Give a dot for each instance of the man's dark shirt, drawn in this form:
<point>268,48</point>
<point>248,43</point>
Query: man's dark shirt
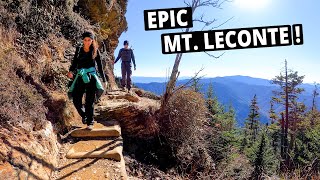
<point>126,55</point>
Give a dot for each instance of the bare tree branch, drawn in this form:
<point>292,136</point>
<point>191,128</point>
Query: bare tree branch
<point>224,2</point>
<point>213,56</point>
<point>222,23</point>
<point>213,3</point>
<point>207,3</point>
<point>186,3</point>
<point>205,22</point>
<point>190,80</point>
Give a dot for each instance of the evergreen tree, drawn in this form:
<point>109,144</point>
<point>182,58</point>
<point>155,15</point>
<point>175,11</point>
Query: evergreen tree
<point>272,114</point>
<point>262,157</point>
<point>306,153</point>
<point>230,118</point>
<point>297,117</point>
<point>212,102</point>
<point>314,113</point>
<point>274,128</point>
<point>196,85</point>
<point>315,94</point>
<point>252,122</point>
<point>223,135</point>
<point>287,96</point>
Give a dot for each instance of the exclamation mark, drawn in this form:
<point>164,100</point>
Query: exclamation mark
<point>297,34</point>
<point>297,30</point>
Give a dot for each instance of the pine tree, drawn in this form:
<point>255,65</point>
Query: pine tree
<point>274,128</point>
<point>306,153</point>
<point>312,117</point>
<point>258,162</point>
<point>252,122</point>
<point>315,94</point>
<point>223,121</point>
<point>196,85</point>
<point>287,96</point>
<point>314,110</point>
<point>230,118</point>
<point>262,157</point>
<point>212,102</point>
<point>272,114</point>
<point>297,116</point>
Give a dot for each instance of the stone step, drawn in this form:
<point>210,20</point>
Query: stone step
<point>99,130</point>
<point>111,149</point>
<point>129,97</point>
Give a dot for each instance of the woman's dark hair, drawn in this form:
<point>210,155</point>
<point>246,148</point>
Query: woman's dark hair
<point>88,34</point>
<point>94,44</point>
<point>126,42</point>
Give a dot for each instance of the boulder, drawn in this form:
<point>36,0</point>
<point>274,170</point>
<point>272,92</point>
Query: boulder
<point>136,119</point>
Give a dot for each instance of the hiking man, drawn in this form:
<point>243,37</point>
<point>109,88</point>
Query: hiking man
<point>126,55</point>
<point>86,80</point>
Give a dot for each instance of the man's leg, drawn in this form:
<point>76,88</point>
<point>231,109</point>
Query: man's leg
<point>90,96</point>
<point>77,95</point>
<point>123,73</point>
<point>129,72</point>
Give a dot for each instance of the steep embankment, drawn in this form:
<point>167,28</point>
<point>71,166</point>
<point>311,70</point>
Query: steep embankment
<point>36,47</point>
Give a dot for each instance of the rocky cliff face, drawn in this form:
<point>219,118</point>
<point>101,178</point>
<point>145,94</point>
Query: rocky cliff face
<point>38,39</point>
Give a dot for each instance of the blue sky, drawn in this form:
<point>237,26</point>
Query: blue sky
<point>261,62</point>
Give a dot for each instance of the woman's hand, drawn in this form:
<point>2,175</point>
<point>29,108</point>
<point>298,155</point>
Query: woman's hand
<point>70,75</point>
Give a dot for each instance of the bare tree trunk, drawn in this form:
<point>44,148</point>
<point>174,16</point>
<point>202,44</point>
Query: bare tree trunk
<point>175,70</point>
<point>172,81</point>
<point>287,120</point>
<point>282,152</point>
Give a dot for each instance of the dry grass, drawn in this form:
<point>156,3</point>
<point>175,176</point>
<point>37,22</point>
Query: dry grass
<point>185,116</point>
<point>20,103</point>
<point>183,126</point>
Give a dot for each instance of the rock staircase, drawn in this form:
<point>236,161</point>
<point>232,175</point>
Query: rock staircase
<point>92,148</point>
<point>102,143</point>
<point>97,154</point>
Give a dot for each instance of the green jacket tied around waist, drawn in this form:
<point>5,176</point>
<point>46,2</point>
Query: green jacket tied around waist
<point>83,73</point>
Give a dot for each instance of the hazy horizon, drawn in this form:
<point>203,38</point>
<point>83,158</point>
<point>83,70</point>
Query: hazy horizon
<point>208,77</point>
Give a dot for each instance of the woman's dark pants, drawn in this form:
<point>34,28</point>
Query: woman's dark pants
<point>81,88</point>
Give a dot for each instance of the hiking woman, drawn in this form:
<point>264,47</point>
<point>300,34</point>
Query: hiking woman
<point>86,79</point>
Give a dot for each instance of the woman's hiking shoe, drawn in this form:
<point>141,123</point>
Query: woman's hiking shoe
<point>90,127</point>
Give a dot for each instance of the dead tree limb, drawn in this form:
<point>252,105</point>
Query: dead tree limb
<point>194,4</point>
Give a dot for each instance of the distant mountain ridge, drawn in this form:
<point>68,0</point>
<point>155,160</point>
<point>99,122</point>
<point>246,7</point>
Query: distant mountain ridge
<point>236,90</point>
<point>141,79</point>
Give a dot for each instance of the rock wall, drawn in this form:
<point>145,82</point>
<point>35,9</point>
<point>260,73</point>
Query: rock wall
<point>28,155</point>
